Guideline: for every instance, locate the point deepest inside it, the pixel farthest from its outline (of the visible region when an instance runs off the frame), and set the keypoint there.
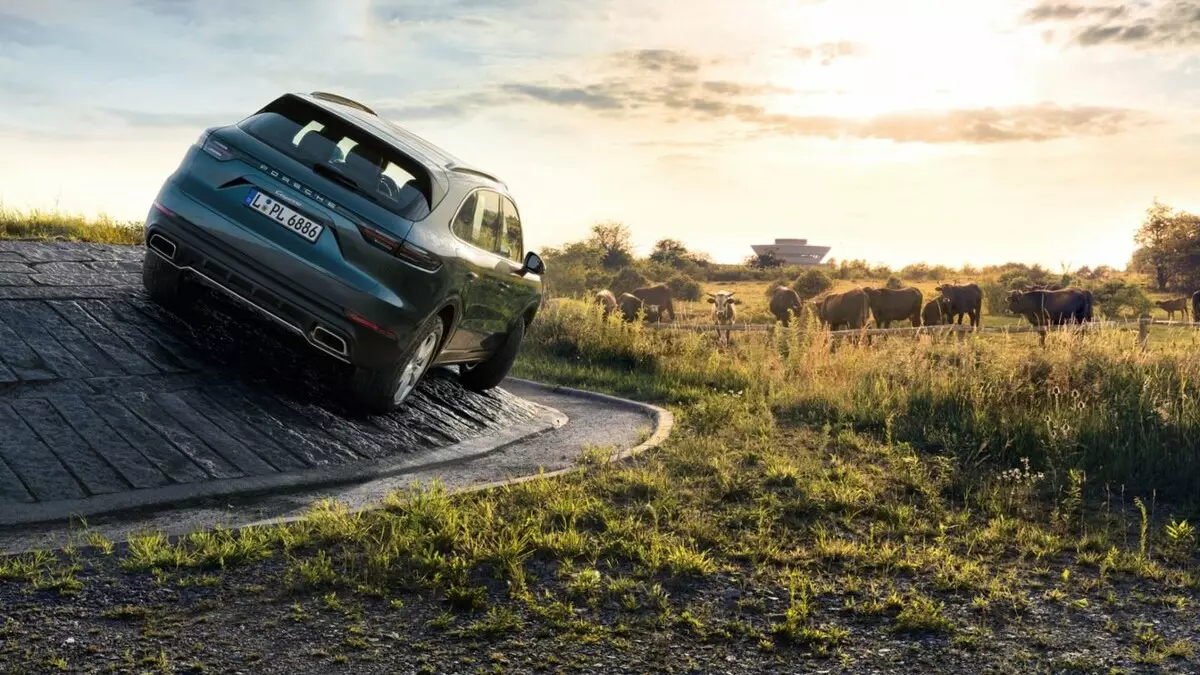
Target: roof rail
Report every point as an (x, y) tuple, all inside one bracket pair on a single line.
[(334, 98), (459, 168)]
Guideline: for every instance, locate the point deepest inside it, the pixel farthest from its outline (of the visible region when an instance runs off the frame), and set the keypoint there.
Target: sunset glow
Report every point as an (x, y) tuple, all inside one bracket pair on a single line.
[(889, 125)]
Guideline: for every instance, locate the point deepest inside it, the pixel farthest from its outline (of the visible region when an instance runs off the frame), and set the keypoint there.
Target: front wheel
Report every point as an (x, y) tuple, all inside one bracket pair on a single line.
[(382, 391), (489, 373)]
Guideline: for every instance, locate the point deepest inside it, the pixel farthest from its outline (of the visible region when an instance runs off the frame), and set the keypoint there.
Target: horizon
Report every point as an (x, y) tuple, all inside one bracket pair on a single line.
[(1003, 132)]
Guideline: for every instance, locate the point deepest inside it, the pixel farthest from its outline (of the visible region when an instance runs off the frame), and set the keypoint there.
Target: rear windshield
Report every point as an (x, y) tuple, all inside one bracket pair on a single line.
[(315, 138)]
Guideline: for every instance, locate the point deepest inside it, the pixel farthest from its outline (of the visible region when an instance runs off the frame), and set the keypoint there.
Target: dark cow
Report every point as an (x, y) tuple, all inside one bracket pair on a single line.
[(844, 310), (964, 299), (631, 304), (936, 312), (606, 300), (785, 304), (1171, 306), (1069, 305), (1196, 306), (888, 305), (657, 294)]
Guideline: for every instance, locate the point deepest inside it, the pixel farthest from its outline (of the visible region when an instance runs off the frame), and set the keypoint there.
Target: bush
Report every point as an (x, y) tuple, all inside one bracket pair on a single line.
[(626, 280), (894, 283), (684, 287), (1121, 299), (811, 283)]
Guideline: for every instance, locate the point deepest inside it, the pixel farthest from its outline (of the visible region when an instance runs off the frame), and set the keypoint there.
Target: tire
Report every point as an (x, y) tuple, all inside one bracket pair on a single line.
[(487, 374), (164, 282), (381, 391)]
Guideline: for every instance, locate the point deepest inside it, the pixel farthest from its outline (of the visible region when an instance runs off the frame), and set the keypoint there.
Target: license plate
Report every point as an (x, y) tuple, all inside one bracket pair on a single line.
[(285, 216)]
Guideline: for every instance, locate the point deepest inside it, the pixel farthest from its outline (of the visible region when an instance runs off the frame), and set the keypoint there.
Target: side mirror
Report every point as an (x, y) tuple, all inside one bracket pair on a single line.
[(534, 264)]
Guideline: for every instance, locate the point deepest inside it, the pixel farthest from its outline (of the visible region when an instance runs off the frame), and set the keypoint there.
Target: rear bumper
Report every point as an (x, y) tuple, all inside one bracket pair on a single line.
[(186, 240)]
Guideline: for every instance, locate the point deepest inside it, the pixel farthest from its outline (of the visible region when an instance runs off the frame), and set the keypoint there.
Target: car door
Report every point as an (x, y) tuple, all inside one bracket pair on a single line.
[(477, 227), (521, 289)]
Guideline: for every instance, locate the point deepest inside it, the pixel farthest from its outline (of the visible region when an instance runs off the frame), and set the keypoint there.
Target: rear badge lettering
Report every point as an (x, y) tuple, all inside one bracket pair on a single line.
[(297, 186)]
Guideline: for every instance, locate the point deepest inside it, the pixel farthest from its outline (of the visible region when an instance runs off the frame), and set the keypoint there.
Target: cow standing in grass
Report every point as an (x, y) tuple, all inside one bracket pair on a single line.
[(888, 305), (724, 311), (1196, 306), (1053, 308), (606, 300), (964, 299), (657, 294), (936, 312), (785, 304), (1176, 305)]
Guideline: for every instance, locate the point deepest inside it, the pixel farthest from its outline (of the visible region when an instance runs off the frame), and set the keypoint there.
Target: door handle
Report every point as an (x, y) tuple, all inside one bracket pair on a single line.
[(472, 276)]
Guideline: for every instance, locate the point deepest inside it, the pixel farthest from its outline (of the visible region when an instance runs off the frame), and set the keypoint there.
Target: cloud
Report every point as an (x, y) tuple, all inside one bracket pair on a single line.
[(672, 95), (828, 52), (1173, 24), (659, 60)]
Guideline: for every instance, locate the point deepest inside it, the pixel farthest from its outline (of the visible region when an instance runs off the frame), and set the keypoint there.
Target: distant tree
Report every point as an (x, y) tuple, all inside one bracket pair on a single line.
[(670, 252), (765, 260), (894, 283), (968, 271), (915, 272), (613, 241), (1159, 237), (811, 283)]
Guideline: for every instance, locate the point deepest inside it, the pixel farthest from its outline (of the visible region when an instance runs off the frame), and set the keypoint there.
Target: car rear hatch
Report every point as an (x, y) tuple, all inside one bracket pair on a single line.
[(317, 199)]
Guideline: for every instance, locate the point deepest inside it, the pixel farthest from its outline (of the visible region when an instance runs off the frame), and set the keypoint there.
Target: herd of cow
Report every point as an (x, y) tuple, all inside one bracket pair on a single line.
[(853, 309)]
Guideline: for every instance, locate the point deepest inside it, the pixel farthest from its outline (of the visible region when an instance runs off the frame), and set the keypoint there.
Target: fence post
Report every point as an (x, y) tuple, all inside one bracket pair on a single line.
[(1144, 333)]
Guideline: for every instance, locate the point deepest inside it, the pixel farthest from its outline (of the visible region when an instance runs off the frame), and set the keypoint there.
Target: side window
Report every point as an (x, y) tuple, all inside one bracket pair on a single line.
[(488, 238), (511, 245), (478, 221)]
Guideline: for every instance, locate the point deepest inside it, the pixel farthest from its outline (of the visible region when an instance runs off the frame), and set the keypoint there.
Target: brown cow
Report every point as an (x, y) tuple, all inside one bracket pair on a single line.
[(785, 304), (936, 312), (657, 294), (1171, 306), (1069, 305), (629, 306), (888, 305), (606, 300), (849, 309), (724, 311), (964, 299)]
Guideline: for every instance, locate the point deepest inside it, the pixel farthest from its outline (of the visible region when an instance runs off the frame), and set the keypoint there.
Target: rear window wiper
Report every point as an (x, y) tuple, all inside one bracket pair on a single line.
[(346, 181), (337, 176)]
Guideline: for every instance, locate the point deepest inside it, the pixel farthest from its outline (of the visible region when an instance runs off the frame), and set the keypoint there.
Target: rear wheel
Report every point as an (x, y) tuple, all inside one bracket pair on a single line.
[(164, 282), (487, 374), (384, 390)]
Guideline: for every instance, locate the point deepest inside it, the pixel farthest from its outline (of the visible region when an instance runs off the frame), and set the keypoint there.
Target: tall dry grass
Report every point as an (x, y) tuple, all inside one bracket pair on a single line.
[(55, 224), (1092, 401)]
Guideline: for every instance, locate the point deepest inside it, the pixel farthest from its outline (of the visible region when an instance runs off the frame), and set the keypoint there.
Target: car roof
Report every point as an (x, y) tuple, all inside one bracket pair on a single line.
[(442, 164)]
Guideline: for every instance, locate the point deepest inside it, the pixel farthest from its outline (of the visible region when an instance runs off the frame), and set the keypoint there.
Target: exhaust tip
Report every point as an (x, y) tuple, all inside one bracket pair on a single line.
[(329, 340), (162, 245)]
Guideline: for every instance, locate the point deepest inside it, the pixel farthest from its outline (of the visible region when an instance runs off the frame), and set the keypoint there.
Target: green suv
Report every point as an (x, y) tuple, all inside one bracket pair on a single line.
[(379, 248)]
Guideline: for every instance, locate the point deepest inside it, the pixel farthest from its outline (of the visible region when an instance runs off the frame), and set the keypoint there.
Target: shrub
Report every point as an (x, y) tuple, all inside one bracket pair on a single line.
[(811, 283), (684, 287), (894, 283), (1119, 298), (626, 280)]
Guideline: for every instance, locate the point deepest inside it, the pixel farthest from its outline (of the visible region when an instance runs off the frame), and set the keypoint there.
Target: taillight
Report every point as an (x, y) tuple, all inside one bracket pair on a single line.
[(409, 253), (217, 149), (364, 321), (164, 209)]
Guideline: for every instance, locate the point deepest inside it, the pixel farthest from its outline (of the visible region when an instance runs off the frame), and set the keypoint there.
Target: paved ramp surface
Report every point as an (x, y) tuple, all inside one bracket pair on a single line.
[(103, 392)]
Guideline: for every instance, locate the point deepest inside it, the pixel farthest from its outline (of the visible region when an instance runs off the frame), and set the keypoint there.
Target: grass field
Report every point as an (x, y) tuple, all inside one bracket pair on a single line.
[(974, 506)]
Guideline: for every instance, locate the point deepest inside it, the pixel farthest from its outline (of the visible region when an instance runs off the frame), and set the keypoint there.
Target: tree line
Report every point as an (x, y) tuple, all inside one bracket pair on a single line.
[(1168, 252)]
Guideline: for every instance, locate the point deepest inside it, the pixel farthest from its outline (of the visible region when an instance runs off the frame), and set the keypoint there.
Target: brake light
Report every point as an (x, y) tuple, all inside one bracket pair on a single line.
[(217, 149), (364, 321), (164, 209), (409, 253)]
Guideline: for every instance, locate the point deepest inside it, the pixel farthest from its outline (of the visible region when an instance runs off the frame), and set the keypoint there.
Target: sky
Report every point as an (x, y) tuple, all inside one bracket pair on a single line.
[(896, 131)]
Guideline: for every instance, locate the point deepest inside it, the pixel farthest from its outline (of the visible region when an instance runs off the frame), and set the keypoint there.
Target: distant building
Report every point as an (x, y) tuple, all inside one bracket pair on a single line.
[(793, 251)]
